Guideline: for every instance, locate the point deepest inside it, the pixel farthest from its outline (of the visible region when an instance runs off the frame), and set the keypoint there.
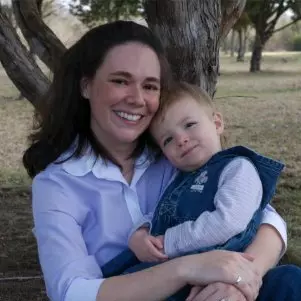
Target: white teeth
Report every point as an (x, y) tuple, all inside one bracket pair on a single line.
[(131, 117)]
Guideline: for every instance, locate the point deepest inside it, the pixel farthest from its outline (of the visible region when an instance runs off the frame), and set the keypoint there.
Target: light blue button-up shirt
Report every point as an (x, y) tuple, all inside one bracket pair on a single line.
[(84, 211)]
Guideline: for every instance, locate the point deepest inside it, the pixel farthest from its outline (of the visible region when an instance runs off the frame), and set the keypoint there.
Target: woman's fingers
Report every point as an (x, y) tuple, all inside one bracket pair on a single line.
[(205, 293), (248, 256), (223, 266), (194, 292), (219, 291)]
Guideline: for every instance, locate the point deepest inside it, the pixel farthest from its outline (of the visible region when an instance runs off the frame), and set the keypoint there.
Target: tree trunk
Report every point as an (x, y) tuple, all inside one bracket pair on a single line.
[(245, 41), (190, 35), (232, 42), (191, 32), (240, 52), (19, 65), (41, 39), (256, 54)]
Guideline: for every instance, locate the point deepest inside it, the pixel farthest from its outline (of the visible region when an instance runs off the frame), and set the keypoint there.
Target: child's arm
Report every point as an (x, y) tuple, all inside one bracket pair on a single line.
[(238, 197)]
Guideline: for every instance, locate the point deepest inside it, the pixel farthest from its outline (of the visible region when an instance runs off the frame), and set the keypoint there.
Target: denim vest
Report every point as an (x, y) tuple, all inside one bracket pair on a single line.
[(192, 193)]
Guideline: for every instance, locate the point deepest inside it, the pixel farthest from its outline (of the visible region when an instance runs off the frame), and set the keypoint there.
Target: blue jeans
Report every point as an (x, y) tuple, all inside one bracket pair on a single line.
[(282, 283)]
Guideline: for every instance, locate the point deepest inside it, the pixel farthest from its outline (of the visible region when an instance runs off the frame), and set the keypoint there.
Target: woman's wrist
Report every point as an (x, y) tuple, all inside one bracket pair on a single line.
[(182, 269), (266, 248)]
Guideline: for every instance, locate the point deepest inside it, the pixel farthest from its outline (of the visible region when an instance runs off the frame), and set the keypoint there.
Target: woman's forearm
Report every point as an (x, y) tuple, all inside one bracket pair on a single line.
[(153, 284), (266, 248)]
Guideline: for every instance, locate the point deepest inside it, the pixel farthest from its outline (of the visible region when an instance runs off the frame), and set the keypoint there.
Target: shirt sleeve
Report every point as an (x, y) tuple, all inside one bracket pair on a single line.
[(238, 197), (144, 221), (69, 271), (272, 218)]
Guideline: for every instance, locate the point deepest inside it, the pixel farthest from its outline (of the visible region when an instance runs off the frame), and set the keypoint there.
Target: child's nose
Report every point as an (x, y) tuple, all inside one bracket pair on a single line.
[(182, 140)]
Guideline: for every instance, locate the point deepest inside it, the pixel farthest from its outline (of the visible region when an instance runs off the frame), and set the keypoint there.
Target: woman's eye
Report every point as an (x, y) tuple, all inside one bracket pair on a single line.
[(119, 81), (166, 141), (151, 87), (190, 124)]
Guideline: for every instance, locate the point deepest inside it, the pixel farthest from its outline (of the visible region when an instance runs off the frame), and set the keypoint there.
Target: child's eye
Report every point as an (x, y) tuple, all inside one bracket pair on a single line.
[(190, 124), (167, 140)]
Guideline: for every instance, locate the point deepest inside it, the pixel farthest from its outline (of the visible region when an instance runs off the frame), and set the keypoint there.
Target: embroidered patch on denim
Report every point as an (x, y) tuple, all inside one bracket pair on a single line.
[(199, 182)]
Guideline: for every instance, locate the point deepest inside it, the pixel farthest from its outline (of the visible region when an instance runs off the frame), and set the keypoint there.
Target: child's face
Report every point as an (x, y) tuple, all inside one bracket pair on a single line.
[(188, 133)]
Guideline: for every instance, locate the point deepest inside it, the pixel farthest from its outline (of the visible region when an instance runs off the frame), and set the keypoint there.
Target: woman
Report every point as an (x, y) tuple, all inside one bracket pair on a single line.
[(94, 178)]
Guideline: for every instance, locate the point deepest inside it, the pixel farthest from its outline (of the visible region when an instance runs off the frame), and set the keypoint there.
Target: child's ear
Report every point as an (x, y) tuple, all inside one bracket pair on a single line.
[(219, 122)]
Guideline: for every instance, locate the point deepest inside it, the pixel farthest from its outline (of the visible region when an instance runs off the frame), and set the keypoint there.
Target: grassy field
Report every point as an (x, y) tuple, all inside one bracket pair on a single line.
[(262, 111)]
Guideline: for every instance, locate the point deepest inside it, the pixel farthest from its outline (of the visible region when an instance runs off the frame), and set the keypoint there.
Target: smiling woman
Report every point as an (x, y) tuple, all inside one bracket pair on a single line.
[(124, 96), (94, 178)]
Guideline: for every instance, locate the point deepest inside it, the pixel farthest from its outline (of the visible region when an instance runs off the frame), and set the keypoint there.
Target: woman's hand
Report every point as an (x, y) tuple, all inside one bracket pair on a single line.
[(216, 291), (223, 266)]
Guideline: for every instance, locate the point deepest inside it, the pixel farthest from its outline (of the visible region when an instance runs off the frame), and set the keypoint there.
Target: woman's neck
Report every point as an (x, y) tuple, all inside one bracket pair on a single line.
[(123, 157)]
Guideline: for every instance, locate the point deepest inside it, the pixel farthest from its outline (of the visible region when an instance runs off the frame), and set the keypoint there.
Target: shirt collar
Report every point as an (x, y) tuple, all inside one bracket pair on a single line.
[(88, 162)]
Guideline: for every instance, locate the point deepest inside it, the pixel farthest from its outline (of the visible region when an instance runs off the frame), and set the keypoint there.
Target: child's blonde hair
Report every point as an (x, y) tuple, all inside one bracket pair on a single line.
[(181, 89)]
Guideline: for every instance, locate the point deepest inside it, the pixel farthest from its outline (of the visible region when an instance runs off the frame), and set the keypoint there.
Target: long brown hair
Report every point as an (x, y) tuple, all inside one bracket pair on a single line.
[(65, 116)]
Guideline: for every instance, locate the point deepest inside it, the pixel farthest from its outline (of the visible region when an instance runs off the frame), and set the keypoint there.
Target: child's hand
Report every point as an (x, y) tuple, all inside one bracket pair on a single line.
[(161, 239), (146, 247)]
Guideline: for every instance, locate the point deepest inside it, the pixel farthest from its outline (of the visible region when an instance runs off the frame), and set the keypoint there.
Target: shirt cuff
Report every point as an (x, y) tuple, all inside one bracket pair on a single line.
[(272, 218), (171, 237), (83, 289), (145, 222)]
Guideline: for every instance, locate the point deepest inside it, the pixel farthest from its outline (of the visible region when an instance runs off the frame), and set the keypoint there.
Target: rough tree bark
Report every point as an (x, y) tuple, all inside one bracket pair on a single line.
[(191, 32), (41, 39), (19, 64)]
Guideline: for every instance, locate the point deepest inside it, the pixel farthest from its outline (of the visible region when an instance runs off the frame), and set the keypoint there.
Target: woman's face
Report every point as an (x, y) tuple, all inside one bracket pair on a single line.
[(124, 94)]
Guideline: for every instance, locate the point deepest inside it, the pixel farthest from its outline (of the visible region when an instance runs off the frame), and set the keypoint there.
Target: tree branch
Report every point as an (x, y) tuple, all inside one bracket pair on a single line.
[(231, 12), (19, 65), (287, 25), (41, 39)]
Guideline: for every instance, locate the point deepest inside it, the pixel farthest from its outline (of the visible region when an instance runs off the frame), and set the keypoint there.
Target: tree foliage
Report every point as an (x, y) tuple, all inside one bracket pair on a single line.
[(92, 12)]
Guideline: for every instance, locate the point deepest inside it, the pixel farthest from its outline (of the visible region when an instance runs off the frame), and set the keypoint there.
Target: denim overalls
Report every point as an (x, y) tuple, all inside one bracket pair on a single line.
[(192, 193)]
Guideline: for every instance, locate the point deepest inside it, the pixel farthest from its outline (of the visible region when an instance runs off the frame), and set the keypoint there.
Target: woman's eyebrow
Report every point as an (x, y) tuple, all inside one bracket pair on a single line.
[(129, 75), (122, 73)]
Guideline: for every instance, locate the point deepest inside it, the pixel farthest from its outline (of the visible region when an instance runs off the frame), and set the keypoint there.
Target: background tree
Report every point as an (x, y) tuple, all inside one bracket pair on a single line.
[(92, 12), (264, 15), (241, 27)]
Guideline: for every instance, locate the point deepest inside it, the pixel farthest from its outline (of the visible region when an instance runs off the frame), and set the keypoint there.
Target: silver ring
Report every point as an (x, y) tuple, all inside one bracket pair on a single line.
[(224, 299), (238, 280)]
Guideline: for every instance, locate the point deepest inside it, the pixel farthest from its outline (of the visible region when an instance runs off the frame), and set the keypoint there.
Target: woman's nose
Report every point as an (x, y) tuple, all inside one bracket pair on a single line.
[(136, 97)]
